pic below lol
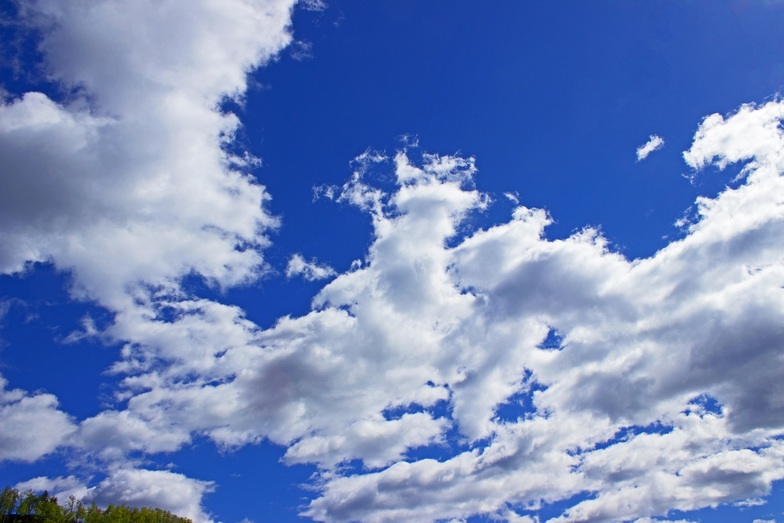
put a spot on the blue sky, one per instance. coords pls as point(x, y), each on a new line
point(395, 261)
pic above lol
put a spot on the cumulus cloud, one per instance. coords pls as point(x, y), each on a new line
point(61, 488)
point(654, 143)
point(133, 487)
point(130, 180)
point(660, 392)
point(127, 169)
point(643, 343)
point(310, 270)
point(31, 425)
point(153, 488)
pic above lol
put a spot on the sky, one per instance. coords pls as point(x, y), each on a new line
point(395, 261)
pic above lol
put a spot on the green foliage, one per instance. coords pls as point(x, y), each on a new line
point(43, 508)
point(9, 499)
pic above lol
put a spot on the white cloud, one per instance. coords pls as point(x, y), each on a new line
point(133, 487)
point(432, 332)
point(127, 170)
point(641, 340)
point(31, 425)
point(421, 325)
point(153, 488)
point(438, 337)
point(128, 183)
point(654, 143)
point(310, 270)
point(61, 488)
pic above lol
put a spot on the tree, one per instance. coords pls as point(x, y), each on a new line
point(9, 499)
point(30, 507)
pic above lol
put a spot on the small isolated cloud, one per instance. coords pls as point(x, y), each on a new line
point(514, 198)
point(409, 140)
point(654, 143)
point(310, 270)
point(301, 50)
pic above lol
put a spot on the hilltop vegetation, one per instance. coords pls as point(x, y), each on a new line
point(16, 507)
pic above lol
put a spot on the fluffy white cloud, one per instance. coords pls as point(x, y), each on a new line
point(654, 143)
point(133, 487)
point(114, 184)
point(641, 343)
point(130, 180)
point(31, 425)
point(153, 488)
point(661, 391)
point(61, 488)
point(664, 374)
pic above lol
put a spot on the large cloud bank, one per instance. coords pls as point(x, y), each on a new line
point(131, 179)
point(468, 371)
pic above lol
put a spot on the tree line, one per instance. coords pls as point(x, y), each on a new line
point(29, 507)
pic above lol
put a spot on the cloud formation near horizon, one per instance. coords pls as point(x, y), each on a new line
point(642, 386)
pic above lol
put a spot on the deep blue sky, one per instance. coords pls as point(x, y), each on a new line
point(552, 99)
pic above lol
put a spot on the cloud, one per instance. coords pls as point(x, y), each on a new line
point(641, 341)
point(661, 394)
point(61, 488)
point(654, 143)
point(313, 5)
point(127, 168)
point(31, 425)
point(109, 180)
point(153, 488)
point(665, 373)
point(134, 487)
point(310, 270)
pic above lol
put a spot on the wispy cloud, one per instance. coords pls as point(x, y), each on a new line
point(310, 270)
point(654, 143)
